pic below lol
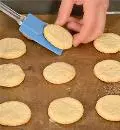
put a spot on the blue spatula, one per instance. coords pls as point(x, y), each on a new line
point(31, 27)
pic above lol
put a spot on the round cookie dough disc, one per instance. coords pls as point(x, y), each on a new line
point(58, 36)
point(11, 48)
point(14, 113)
point(59, 73)
point(108, 70)
point(108, 43)
point(108, 107)
point(65, 110)
point(11, 75)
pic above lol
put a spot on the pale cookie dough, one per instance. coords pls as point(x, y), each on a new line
point(11, 75)
point(108, 107)
point(11, 48)
point(108, 43)
point(59, 73)
point(108, 70)
point(58, 36)
point(65, 110)
point(14, 113)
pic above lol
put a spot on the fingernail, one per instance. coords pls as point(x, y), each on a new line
point(58, 22)
point(75, 44)
point(75, 41)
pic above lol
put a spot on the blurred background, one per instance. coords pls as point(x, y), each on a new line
point(48, 6)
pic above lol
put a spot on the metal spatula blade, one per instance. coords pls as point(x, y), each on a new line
point(30, 26)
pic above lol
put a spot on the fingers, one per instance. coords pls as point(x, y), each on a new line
point(90, 14)
point(99, 27)
point(72, 19)
point(105, 4)
point(64, 12)
point(93, 21)
point(76, 20)
point(78, 2)
point(74, 26)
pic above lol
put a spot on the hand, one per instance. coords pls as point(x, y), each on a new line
point(93, 22)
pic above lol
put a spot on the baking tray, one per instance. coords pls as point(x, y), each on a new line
point(38, 93)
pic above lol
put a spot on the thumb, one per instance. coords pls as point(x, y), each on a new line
point(64, 11)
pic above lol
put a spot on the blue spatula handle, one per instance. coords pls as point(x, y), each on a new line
point(33, 28)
